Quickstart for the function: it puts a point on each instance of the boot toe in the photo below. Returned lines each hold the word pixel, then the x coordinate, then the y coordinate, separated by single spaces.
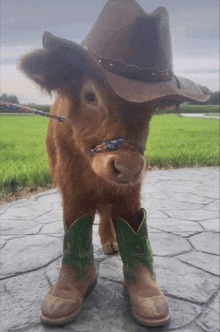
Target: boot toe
pixel 56 310
pixel 152 311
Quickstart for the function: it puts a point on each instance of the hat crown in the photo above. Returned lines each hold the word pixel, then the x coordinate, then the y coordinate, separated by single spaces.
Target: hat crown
pixel 125 32
pixel 133 50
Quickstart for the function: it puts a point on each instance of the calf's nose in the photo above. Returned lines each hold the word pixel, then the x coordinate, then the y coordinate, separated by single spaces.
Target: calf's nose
pixel 126 173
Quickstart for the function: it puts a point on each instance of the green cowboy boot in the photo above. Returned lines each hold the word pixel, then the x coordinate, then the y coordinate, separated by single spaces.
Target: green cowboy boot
pixel 149 305
pixel 78 275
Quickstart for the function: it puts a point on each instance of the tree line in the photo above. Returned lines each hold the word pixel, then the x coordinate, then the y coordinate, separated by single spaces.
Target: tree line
pixel 213 100
pixel 10 99
pixel 214 96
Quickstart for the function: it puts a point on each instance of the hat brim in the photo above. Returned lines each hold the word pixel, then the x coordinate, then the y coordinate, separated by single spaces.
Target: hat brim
pixel 179 89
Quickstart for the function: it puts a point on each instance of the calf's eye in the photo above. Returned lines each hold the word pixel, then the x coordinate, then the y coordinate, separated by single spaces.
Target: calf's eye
pixel 90 97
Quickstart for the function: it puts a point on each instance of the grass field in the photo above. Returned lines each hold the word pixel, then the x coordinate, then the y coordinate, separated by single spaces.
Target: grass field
pixel 186 108
pixel 23 152
pixel 182 142
pixel 212 114
pixel 173 142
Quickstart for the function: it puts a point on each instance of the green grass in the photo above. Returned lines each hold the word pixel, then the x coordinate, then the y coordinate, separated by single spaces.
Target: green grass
pixel 45 108
pixel 182 142
pixel 23 155
pixel 186 108
pixel 212 114
pixel 173 142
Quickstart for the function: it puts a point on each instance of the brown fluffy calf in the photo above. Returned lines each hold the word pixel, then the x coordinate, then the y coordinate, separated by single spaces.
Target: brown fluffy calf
pixel 110 182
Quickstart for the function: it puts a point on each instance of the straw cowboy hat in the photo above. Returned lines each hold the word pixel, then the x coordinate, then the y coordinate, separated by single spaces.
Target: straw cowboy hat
pixel 133 48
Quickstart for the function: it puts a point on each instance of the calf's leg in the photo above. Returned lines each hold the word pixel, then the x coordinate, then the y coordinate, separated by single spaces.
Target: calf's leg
pixel 107 231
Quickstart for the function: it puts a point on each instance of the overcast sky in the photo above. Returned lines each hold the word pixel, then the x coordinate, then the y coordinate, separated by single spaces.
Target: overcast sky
pixel 194 30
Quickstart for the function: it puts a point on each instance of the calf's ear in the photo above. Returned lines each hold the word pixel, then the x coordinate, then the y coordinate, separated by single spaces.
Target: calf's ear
pixel 53 69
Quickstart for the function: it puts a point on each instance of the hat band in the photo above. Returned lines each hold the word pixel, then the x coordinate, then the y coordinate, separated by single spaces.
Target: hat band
pixel 134 72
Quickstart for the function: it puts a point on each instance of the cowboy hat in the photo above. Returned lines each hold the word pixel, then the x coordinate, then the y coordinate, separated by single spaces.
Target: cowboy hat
pixel 133 48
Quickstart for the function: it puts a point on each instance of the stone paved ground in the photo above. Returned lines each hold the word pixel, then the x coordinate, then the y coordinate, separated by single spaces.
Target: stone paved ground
pixel 183 225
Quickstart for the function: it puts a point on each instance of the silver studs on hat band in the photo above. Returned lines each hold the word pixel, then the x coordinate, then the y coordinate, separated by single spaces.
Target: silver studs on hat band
pixel 133 71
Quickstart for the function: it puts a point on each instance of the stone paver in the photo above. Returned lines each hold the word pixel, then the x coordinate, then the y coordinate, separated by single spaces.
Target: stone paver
pixel 28 253
pixel 183 221
pixel 210 316
pixel 206 262
pixel 199 115
pixel 206 242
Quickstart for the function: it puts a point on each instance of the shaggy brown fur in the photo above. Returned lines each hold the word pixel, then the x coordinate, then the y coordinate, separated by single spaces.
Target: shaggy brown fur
pixel 108 183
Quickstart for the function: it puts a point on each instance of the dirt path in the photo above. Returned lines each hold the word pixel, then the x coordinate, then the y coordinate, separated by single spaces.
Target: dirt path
pixel 8 197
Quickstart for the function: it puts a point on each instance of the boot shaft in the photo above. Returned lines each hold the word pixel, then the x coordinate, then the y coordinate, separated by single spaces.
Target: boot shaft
pixel 134 246
pixel 78 248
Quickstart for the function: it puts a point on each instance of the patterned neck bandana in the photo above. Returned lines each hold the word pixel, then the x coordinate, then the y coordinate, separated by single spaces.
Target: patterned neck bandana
pixel 114 145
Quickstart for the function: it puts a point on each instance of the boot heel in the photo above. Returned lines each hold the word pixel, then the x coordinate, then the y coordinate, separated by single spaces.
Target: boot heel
pixel 91 287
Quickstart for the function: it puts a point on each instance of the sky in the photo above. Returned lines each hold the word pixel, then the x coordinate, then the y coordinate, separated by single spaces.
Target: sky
pixel 194 26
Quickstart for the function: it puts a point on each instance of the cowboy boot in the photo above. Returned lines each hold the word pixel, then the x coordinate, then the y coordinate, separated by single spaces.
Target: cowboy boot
pixel 78 275
pixel 149 305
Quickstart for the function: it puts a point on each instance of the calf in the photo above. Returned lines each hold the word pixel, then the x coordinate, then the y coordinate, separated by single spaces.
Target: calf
pixel 90 178
pixel 107 88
